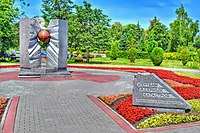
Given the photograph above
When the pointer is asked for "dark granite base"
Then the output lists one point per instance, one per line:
(44, 73)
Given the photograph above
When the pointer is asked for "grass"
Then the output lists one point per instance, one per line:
(192, 75)
(142, 62)
(138, 62)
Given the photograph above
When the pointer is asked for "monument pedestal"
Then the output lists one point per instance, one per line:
(44, 73)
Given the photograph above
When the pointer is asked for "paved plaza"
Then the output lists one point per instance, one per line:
(63, 106)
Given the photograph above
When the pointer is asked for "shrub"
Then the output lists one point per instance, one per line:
(107, 53)
(142, 55)
(132, 53)
(151, 44)
(172, 56)
(198, 54)
(123, 54)
(114, 50)
(194, 65)
(157, 56)
(71, 60)
(184, 56)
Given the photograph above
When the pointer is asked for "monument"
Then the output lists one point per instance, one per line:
(151, 91)
(34, 38)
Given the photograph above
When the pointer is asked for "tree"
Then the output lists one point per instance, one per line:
(130, 30)
(114, 50)
(158, 32)
(182, 30)
(56, 9)
(91, 28)
(8, 25)
(197, 42)
(116, 31)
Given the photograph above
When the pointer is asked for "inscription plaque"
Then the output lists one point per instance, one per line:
(151, 91)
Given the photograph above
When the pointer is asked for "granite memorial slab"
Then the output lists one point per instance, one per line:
(151, 91)
(32, 34)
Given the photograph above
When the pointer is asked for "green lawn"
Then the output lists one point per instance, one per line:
(126, 62)
(143, 62)
(192, 75)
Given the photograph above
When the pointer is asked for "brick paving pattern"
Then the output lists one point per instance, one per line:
(63, 106)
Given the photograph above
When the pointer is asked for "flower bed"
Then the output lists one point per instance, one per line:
(132, 113)
(3, 104)
(139, 117)
(149, 118)
(166, 74)
(113, 98)
(188, 93)
(175, 84)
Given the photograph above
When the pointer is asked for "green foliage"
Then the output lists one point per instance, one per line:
(188, 74)
(88, 28)
(56, 9)
(157, 56)
(183, 30)
(123, 54)
(194, 65)
(71, 60)
(132, 53)
(167, 119)
(184, 56)
(142, 55)
(158, 32)
(198, 54)
(9, 30)
(116, 31)
(195, 103)
(151, 44)
(131, 31)
(114, 50)
(172, 56)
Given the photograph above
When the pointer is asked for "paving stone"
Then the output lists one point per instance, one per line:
(63, 106)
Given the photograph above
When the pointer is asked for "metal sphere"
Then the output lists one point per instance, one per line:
(44, 36)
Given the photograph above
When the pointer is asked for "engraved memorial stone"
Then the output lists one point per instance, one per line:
(33, 37)
(151, 91)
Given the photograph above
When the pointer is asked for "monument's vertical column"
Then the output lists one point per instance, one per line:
(30, 50)
(53, 46)
(24, 43)
(63, 39)
(57, 48)
(34, 48)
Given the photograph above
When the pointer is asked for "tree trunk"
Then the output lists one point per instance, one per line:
(87, 55)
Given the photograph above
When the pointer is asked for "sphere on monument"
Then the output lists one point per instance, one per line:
(44, 36)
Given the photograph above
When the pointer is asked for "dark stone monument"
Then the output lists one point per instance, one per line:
(32, 34)
(151, 91)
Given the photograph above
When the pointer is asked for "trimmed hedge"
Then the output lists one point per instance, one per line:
(157, 56)
(142, 55)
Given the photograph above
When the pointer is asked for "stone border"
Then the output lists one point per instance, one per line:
(124, 125)
(10, 119)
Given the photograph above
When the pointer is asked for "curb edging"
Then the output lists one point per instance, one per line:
(10, 119)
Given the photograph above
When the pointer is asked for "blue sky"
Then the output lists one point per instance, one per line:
(132, 11)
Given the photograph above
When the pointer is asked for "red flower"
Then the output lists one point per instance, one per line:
(188, 93)
(132, 113)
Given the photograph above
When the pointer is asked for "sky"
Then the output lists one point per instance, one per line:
(132, 11)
